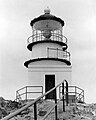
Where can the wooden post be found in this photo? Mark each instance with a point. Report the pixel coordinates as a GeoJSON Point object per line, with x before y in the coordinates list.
{"type": "Point", "coordinates": [63, 97]}
{"type": "Point", "coordinates": [56, 105]}
{"type": "Point", "coordinates": [35, 111]}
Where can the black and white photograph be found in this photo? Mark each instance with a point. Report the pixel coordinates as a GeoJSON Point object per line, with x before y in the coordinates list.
{"type": "Point", "coordinates": [47, 59]}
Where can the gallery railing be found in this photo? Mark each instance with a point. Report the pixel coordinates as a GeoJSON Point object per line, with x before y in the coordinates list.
{"type": "Point", "coordinates": [29, 92]}
{"type": "Point", "coordinates": [58, 53]}
{"type": "Point", "coordinates": [40, 37]}
{"type": "Point", "coordinates": [75, 94]}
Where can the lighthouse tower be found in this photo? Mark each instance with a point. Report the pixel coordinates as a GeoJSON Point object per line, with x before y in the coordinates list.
{"type": "Point", "coordinates": [50, 61]}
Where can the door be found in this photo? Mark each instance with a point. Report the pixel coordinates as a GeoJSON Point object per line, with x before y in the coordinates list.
{"type": "Point", "coordinates": [49, 84]}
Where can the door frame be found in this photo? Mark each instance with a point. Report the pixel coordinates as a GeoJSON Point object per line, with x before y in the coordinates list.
{"type": "Point", "coordinates": [53, 84]}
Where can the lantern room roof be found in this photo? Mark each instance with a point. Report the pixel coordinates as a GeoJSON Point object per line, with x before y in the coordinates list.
{"type": "Point", "coordinates": [47, 16]}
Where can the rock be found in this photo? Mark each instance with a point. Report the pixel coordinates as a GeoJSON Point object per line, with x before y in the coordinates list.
{"type": "Point", "coordinates": [3, 113]}
{"type": "Point", "coordinates": [42, 113]}
{"type": "Point", "coordinates": [2, 99]}
{"type": "Point", "coordinates": [28, 117]}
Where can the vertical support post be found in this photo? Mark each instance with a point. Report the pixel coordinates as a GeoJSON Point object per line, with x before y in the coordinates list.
{"type": "Point", "coordinates": [26, 93]}
{"type": "Point", "coordinates": [59, 92]}
{"type": "Point", "coordinates": [61, 35]}
{"type": "Point", "coordinates": [41, 35]}
{"type": "Point", "coordinates": [58, 35]}
{"type": "Point", "coordinates": [66, 54]}
{"type": "Point", "coordinates": [75, 94]}
{"type": "Point", "coordinates": [42, 90]}
{"type": "Point", "coordinates": [37, 36]}
{"type": "Point", "coordinates": [63, 97]}
{"type": "Point", "coordinates": [56, 105]}
{"type": "Point", "coordinates": [33, 35]}
{"type": "Point", "coordinates": [83, 95]}
{"type": "Point", "coordinates": [66, 93]}
{"type": "Point", "coordinates": [35, 111]}
{"type": "Point", "coordinates": [16, 96]}
{"type": "Point", "coordinates": [47, 52]}
{"type": "Point", "coordinates": [54, 36]}
{"type": "Point", "coordinates": [69, 56]}
{"type": "Point", "coordinates": [57, 52]}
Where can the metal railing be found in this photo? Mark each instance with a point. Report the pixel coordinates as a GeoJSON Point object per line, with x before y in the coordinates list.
{"type": "Point", "coordinates": [58, 53]}
{"type": "Point", "coordinates": [40, 37]}
{"type": "Point", "coordinates": [34, 103]}
{"type": "Point", "coordinates": [18, 97]}
{"type": "Point", "coordinates": [28, 92]}
{"type": "Point", "coordinates": [75, 94]}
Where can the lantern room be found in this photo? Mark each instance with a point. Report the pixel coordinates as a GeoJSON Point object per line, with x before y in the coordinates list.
{"type": "Point", "coordinates": [45, 28]}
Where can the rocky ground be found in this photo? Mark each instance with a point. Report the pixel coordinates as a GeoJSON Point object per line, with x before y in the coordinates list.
{"type": "Point", "coordinates": [8, 106]}
{"type": "Point", "coordinates": [78, 111]}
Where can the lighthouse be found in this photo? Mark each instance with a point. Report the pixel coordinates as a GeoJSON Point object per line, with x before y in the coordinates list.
{"type": "Point", "coordinates": [50, 61]}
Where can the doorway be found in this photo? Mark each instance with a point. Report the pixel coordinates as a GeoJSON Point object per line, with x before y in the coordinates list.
{"type": "Point", "coordinates": [49, 84]}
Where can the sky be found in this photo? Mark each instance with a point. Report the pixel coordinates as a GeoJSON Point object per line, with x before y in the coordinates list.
{"type": "Point", "coordinates": [80, 29]}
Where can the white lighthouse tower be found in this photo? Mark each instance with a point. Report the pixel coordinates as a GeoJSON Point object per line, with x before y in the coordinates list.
{"type": "Point", "coordinates": [50, 61]}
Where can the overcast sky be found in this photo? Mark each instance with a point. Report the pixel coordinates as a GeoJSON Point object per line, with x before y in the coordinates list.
{"type": "Point", "coordinates": [80, 29]}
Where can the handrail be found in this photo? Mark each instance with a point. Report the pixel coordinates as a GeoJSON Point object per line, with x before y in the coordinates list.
{"type": "Point", "coordinates": [79, 88]}
{"type": "Point", "coordinates": [25, 91]}
{"type": "Point", "coordinates": [29, 104]}
{"type": "Point", "coordinates": [21, 88]}
{"type": "Point", "coordinates": [78, 94]}
{"type": "Point", "coordinates": [59, 50]}
{"type": "Point", "coordinates": [51, 109]}
{"type": "Point", "coordinates": [64, 55]}
{"type": "Point", "coordinates": [28, 39]}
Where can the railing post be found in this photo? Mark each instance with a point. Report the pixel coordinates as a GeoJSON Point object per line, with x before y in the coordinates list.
{"type": "Point", "coordinates": [42, 90]}
{"type": "Point", "coordinates": [69, 56]}
{"type": "Point", "coordinates": [56, 105]}
{"type": "Point", "coordinates": [47, 52]}
{"type": "Point", "coordinates": [26, 93]}
{"type": "Point", "coordinates": [36, 36]}
{"type": "Point", "coordinates": [66, 93]}
{"type": "Point", "coordinates": [83, 95]}
{"type": "Point", "coordinates": [57, 52]}
{"type": "Point", "coordinates": [41, 35]}
{"type": "Point", "coordinates": [63, 97]}
{"type": "Point", "coordinates": [16, 96]}
{"type": "Point", "coordinates": [35, 111]}
{"type": "Point", "coordinates": [75, 94]}
{"type": "Point", "coordinates": [59, 91]}
{"type": "Point", "coordinates": [53, 36]}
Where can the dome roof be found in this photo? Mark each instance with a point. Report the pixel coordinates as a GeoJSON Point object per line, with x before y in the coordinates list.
{"type": "Point", "coordinates": [47, 16]}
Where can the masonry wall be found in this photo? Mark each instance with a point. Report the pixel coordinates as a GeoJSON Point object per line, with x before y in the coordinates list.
{"type": "Point", "coordinates": [38, 70]}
